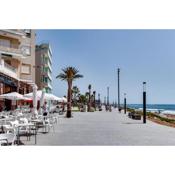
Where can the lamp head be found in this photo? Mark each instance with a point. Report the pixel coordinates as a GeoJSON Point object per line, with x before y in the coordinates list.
{"type": "Point", "coordinates": [144, 86]}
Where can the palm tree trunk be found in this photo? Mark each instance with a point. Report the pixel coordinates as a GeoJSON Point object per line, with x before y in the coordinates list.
{"type": "Point", "coordinates": [69, 96]}
{"type": "Point", "coordinates": [89, 102]}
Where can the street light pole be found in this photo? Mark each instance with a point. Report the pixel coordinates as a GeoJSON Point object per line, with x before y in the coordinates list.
{"type": "Point", "coordinates": [118, 71]}
{"type": "Point", "coordinates": [94, 100]}
{"type": "Point", "coordinates": [98, 99]}
{"type": "Point", "coordinates": [108, 96]}
{"type": "Point", "coordinates": [144, 102]}
{"type": "Point", "coordinates": [104, 100]}
{"type": "Point", "coordinates": [125, 103]}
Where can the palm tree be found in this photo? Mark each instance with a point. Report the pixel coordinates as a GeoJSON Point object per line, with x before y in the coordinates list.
{"type": "Point", "coordinates": [83, 99]}
{"type": "Point", "coordinates": [69, 74]}
{"type": "Point", "coordinates": [87, 94]}
{"type": "Point", "coordinates": [75, 92]}
{"type": "Point", "coordinates": [89, 103]}
{"type": "Point", "coordinates": [94, 93]}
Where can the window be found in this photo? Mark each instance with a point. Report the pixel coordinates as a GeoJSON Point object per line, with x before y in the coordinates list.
{"type": "Point", "coordinates": [26, 50]}
{"type": "Point", "coordinates": [5, 43]}
{"type": "Point", "coordinates": [25, 69]}
{"type": "Point", "coordinates": [28, 32]}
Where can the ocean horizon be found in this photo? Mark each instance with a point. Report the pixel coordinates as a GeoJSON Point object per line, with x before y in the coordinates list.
{"type": "Point", "coordinates": [163, 108]}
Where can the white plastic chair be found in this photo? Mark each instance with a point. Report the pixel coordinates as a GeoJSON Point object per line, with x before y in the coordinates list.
{"type": "Point", "coordinates": [6, 139]}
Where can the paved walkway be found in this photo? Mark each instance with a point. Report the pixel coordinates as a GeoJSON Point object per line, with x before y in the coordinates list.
{"type": "Point", "coordinates": [105, 128]}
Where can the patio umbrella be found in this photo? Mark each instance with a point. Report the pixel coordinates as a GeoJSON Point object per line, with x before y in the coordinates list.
{"type": "Point", "coordinates": [64, 99]}
{"type": "Point", "coordinates": [42, 101]}
{"type": "Point", "coordinates": [38, 94]}
{"type": "Point", "coordinates": [12, 96]}
{"type": "Point", "coordinates": [53, 97]}
{"type": "Point", "coordinates": [27, 99]}
{"type": "Point", "coordinates": [58, 99]}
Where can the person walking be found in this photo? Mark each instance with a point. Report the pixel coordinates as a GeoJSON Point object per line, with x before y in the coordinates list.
{"type": "Point", "coordinates": [45, 109]}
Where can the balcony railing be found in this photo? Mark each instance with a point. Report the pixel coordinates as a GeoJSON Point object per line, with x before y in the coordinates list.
{"type": "Point", "coordinates": [14, 31]}
{"type": "Point", "coordinates": [10, 45]}
{"type": "Point", "coordinates": [12, 48]}
{"type": "Point", "coordinates": [47, 74]}
{"type": "Point", "coordinates": [8, 69]}
{"type": "Point", "coordinates": [49, 85]}
{"type": "Point", "coordinates": [47, 64]}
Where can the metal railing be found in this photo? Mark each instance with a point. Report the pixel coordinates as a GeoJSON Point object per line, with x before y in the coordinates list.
{"type": "Point", "coordinates": [8, 69]}
{"type": "Point", "coordinates": [10, 49]}
{"type": "Point", "coordinates": [11, 68]}
{"type": "Point", "coordinates": [13, 46]}
{"type": "Point", "coordinates": [14, 31]}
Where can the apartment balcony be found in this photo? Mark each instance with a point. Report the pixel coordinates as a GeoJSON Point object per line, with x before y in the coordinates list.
{"type": "Point", "coordinates": [47, 64]}
{"type": "Point", "coordinates": [49, 75]}
{"type": "Point", "coordinates": [46, 85]}
{"type": "Point", "coordinates": [49, 86]}
{"type": "Point", "coordinates": [48, 56]}
{"type": "Point", "coordinates": [13, 50]}
{"type": "Point", "coordinates": [19, 32]}
{"type": "Point", "coordinates": [8, 69]}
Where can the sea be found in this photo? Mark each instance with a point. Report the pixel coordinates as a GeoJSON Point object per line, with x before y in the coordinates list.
{"type": "Point", "coordinates": [160, 108]}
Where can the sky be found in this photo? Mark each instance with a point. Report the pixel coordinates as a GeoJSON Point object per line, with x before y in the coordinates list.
{"type": "Point", "coordinates": [142, 55]}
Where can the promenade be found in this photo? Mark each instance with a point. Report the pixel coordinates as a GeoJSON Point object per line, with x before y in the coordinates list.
{"type": "Point", "coordinates": [105, 128]}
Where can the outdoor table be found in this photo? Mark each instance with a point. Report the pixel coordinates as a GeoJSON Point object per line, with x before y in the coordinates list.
{"type": "Point", "coordinates": [24, 125]}
{"type": "Point", "coordinates": [38, 121]}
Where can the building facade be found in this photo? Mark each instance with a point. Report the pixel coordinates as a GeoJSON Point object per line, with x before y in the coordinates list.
{"type": "Point", "coordinates": [43, 62]}
{"type": "Point", "coordinates": [17, 61]}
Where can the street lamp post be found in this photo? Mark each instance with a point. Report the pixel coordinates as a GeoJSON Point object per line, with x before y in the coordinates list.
{"type": "Point", "coordinates": [104, 100]}
{"type": "Point", "coordinates": [125, 103]}
{"type": "Point", "coordinates": [108, 96]}
{"type": "Point", "coordinates": [144, 102]}
{"type": "Point", "coordinates": [118, 71]}
{"type": "Point", "coordinates": [98, 99]}
{"type": "Point", "coordinates": [94, 100]}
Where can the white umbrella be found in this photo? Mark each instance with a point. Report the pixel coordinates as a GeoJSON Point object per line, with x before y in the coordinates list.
{"type": "Point", "coordinates": [38, 94]}
{"type": "Point", "coordinates": [58, 99]}
{"type": "Point", "coordinates": [64, 99]}
{"type": "Point", "coordinates": [53, 97]}
{"type": "Point", "coordinates": [13, 96]}
{"type": "Point", "coordinates": [46, 97]}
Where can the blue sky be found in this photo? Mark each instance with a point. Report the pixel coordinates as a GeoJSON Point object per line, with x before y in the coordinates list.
{"type": "Point", "coordinates": [142, 55]}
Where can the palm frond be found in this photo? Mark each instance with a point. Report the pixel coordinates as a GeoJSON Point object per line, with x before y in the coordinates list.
{"type": "Point", "coordinates": [69, 74]}
{"type": "Point", "coordinates": [61, 76]}
{"type": "Point", "coordinates": [77, 76]}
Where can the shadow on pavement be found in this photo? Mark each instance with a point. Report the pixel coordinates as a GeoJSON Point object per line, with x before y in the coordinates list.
{"type": "Point", "coordinates": [132, 123]}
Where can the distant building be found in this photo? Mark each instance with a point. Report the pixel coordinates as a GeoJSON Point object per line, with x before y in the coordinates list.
{"type": "Point", "coordinates": [43, 62]}
{"type": "Point", "coordinates": [17, 60]}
